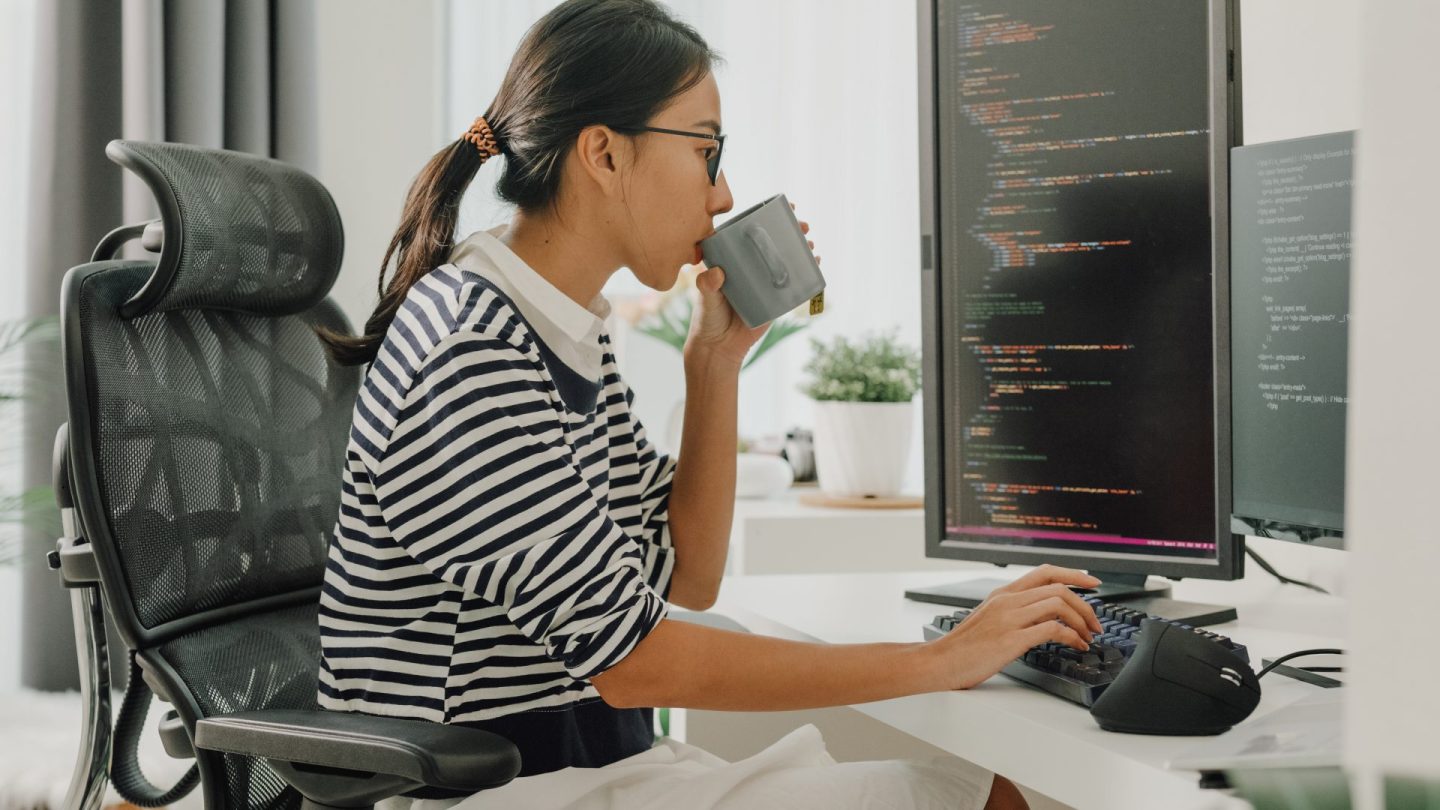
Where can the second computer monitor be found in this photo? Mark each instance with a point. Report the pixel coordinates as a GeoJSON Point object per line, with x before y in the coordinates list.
{"type": "Point", "coordinates": [1290, 313]}
{"type": "Point", "coordinates": [1074, 223]}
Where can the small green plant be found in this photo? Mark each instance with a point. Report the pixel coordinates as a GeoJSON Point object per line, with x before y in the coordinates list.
{"type": "Point", "coordinates": [672, 325]}
{"type": "Point", "coordinates": [875, 368]}
{"type": "Point", "coordinates": [20, 380]}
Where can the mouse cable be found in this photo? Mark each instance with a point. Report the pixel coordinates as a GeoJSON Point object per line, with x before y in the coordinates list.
{"type": "Point", "coordinates": [1289, 656]}
{"type": "Point", "coordinates": [1270, 569]}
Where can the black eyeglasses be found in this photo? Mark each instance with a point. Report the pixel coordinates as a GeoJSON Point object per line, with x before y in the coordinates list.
{"type": "Point", "coordinates": [712, 163]}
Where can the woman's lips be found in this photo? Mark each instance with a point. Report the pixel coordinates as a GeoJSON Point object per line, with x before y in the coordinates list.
{"type": "Point", "coordinates": [699, 251]}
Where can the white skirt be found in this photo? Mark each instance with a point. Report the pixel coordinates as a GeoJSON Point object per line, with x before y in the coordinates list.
{"type": "Point", "coordinates": [794, 773]}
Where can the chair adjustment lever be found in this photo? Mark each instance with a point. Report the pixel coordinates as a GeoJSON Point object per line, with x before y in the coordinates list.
{"type": "Point", "coordinates": [74, 558]}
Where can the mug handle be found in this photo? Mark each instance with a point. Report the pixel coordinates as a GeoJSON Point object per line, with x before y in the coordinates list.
{"type": "Point", "coordinates": [769, 256]}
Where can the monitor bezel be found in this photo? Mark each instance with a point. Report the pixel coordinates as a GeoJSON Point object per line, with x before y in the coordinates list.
{"type": "Point", "coordinates": [1225, 127]}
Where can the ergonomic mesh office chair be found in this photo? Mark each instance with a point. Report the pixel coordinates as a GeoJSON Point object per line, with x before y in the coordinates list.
{"type": "Point", "coordinates": [199, 478]}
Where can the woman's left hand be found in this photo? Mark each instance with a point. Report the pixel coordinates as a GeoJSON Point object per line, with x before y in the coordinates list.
{"type": "Point", "coordinates": [716, 329]}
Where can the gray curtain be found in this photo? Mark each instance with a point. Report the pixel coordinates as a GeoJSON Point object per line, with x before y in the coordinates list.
{"type": "Point", "coordinates": [235, 74]}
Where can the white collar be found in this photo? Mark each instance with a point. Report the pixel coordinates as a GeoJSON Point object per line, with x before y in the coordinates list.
{"type": "Point", "coordinates": [568, 329]}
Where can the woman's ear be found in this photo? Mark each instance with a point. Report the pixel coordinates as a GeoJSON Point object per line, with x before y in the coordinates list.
{"type": "Point", "coordinates": [604, 156]}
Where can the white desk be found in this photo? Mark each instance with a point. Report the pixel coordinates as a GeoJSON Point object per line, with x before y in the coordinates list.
{"type": "Point", "coordinates": [780, 535]}
{"type": "Point", "coordinates": [1034, 738]}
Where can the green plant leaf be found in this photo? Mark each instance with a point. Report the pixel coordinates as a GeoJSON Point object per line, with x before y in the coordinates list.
{"type": "Point", "coordinates": [14, 334]}
{"type": "Point", "coordinates": [30, 375]}
{"type": "Point", "coordinates": [29, 357]}
{"type": "Point", "coordinates": [34, 510]}
{"type": "Point", "coordinates": [876, 368]}
{"type": "Point", "coordinates": [670, 325]}
{"type": "Point", "coordinates": [778, 331]}
{"type": "Point", "coordinates": [678, 319]}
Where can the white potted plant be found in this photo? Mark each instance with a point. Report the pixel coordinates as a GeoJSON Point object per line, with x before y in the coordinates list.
{"type": "Point", "coordinates": [863, 413]}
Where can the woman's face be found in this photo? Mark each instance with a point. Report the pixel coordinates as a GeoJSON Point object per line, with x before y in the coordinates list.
{"type": "Point", "coordinates": [670, 200]}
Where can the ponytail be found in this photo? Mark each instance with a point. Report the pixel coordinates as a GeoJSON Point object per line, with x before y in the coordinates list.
{"type": "Point", "coordinates": [422, 243]}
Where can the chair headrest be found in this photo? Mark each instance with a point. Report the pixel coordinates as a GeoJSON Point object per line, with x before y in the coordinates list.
{"type": "Point", "coordinates": [242, 232]}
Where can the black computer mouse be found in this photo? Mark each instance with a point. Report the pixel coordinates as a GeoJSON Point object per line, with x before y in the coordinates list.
{"type": "Point", "coordinates": [1178, 682]}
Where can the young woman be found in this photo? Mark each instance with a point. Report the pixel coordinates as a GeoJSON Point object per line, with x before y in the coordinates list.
{"type": "Point", "coordinates": [509, 542]}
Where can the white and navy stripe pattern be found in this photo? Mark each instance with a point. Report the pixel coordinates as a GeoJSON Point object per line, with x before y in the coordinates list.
{"type": "Point", "coordinates": [502, 534]}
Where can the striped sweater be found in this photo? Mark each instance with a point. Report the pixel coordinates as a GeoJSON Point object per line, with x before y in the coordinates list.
{"type": "Point", "coordinates": [502, 534]}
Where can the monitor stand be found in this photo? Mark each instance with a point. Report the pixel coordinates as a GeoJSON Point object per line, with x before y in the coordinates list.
{"type": "Point", "coordinates": [1129, 590]}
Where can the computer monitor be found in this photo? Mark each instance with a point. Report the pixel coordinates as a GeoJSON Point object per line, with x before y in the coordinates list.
{"type": "Point", "coordinates": [1074, 237]}
{"type": "Point", "coordinates": [1289, 316]}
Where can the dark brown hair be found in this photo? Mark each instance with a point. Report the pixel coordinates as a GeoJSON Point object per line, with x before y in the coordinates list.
{"type": "Point", "coordinates": [613, 62]}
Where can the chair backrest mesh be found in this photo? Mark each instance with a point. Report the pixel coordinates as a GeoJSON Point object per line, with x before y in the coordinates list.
{"type": "Point", "coordinates": [219, 438]}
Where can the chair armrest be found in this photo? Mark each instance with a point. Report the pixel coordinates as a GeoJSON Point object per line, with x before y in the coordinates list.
{"type": "Point", "coordinates": [434, 754]}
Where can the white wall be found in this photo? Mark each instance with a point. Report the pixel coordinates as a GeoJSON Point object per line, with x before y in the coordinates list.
{"type": "Point", "coordinates": [380, 88]}
{"type": "Point", "coordinates": [1301, 67]}
{"type": "Point", "coordinates": [1394, 441]}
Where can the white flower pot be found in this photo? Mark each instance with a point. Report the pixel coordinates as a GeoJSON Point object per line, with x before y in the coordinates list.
{"type": "Point", "coordinates": [861, 448]}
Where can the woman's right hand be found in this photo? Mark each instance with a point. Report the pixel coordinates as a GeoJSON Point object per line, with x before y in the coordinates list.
{"type": "Point", "coordinates": [1034, 609]}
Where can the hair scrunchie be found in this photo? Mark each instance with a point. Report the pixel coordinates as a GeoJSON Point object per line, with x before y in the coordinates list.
{"type": "Point", "coordinates": [483, 138]}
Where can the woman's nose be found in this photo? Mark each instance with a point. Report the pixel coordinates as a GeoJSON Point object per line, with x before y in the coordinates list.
{"type": "Point", "coordinates": [721, 199]}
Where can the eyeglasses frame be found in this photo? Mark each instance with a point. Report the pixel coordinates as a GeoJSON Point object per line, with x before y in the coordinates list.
{"type": "Point", "coordinates": [712, 165]}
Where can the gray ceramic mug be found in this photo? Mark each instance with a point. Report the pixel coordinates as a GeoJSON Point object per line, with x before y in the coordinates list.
{"type": "Point", "coordinates": [769, 269]}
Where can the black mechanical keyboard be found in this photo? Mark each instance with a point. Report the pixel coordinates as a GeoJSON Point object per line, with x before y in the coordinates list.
{"type": "Point", "coordinates": [1075, 675]}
